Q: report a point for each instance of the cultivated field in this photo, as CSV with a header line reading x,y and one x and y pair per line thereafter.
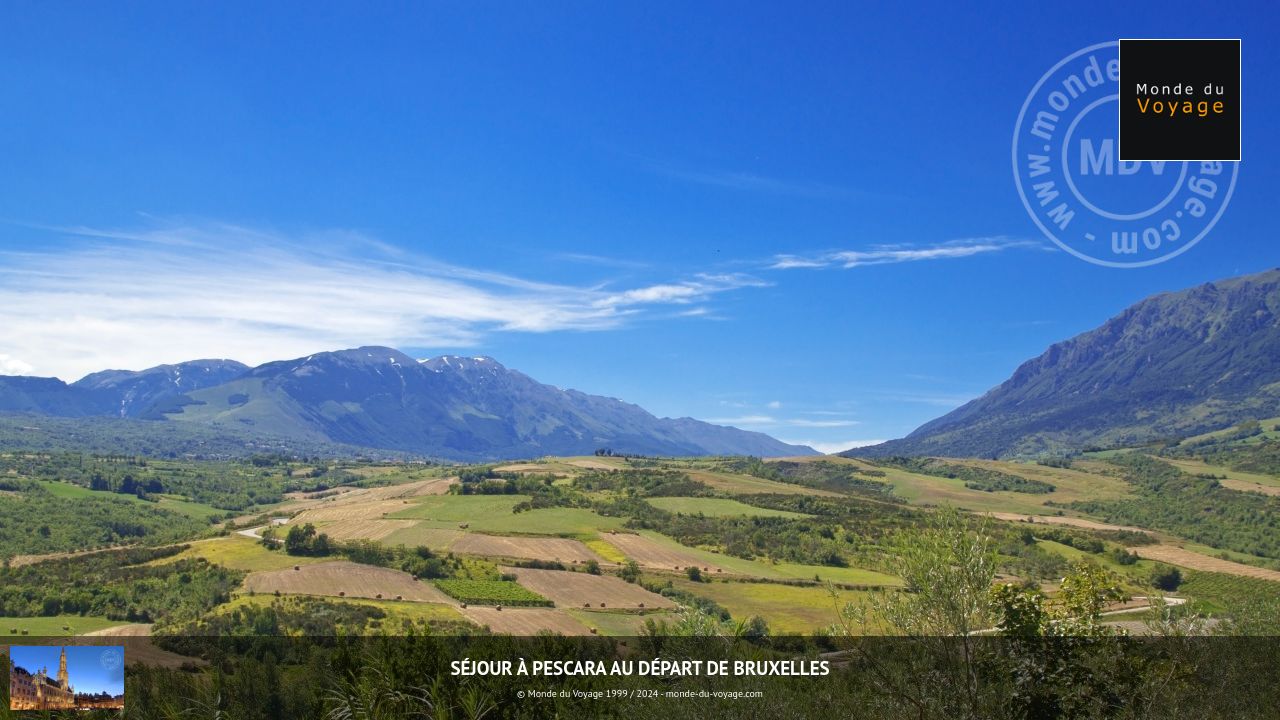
x,y
1188,559
662,549
658,556
531,548
375,529
421,534
494,514
238,552
341,578
348,507
363,503
525,621
788,609
576,589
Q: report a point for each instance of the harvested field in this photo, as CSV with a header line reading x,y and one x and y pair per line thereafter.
x,y
365,503
652,554
379,529
434,486
577,590
344,579
319,494
1060,520
532,548
597,464
420,534
525,621
348,510
1194,560
521,467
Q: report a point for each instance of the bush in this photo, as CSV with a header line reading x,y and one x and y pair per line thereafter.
x,y
1166,577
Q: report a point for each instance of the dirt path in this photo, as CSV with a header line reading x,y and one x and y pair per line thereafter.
x,y
1186,558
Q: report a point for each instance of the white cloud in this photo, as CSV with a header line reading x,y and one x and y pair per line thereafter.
x,y
13,366
774,405
827,448
892,254
744,420
136,299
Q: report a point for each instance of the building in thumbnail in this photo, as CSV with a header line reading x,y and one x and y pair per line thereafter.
x,y
39,691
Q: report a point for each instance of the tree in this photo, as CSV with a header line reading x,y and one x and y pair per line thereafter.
x,y
1166,577
948,567
630,571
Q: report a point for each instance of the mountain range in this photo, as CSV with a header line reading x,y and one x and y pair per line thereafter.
x,y
456,408
1172,365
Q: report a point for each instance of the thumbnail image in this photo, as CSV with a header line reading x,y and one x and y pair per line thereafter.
x,y
86,678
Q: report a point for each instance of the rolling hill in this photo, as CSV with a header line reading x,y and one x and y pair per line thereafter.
x,y
1172,365
450,407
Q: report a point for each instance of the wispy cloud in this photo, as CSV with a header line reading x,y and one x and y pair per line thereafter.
x,y
601,260
892,254
697,289
131,299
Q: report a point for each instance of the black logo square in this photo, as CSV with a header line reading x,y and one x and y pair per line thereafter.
x,y
1179,100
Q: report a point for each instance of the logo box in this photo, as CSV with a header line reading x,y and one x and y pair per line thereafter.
x,y
1180,100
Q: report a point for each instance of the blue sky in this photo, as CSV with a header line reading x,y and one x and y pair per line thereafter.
x,y
87,670
610,197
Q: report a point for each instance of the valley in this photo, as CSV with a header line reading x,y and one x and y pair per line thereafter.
x,y
587,544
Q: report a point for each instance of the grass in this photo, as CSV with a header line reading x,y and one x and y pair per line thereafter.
x,y
492,592
1069,485
1136,573
53,626
71,491
789,610
751,485
1267,432
396,610
237,552
617,624
493,514
780,571
716,507
1243,480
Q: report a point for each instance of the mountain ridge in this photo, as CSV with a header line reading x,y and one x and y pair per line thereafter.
x,y
1173,364
451,407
